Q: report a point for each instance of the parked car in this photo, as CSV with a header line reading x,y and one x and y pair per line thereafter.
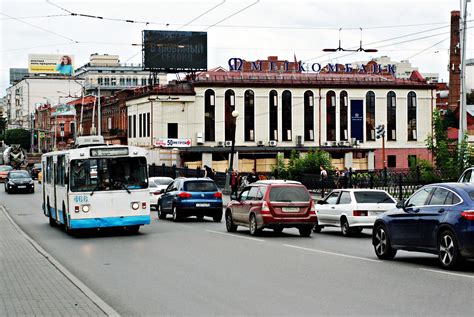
x,y
35,170
4,169
352,209
274,204
19,181
156,186
438,219
467,176
186,197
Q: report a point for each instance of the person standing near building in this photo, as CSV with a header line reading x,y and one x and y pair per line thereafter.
x,y
253,177
208,172
234,183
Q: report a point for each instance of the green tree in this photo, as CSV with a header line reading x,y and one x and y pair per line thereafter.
x,y
306,164
450,157
18,136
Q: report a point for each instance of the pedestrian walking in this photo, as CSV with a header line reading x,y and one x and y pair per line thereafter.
x,y
234,183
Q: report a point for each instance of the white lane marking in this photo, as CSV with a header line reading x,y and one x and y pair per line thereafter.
x,y
449,273
332,253
235,236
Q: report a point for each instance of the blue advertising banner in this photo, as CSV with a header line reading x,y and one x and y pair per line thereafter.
x,y
357,120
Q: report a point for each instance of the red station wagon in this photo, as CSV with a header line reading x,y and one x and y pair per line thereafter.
x,y
274,204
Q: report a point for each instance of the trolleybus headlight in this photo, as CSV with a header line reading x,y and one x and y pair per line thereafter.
x,y
135,205
85,208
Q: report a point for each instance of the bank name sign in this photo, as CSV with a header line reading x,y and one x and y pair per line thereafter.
x,y
237,64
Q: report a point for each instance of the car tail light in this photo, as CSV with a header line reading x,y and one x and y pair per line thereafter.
x,y
218,195
313,208
184,195
143,205
265,208
156,193
359,213
468,214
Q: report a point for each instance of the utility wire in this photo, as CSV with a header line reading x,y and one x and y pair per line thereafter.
x,y
37,17
233,14
201,15
424,50
40,28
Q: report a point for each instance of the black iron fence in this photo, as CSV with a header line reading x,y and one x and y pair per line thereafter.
x,y
400,183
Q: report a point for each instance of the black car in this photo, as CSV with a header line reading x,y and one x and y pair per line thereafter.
x,y
438,219
19,181
35,170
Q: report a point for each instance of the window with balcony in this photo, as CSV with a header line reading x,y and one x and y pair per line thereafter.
x,y
286,105
210,115
229,106
411,115
370,115
343,106
331,116
308,116
273,115
391,130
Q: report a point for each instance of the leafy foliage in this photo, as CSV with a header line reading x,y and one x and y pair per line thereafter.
x,y
305,164
18,136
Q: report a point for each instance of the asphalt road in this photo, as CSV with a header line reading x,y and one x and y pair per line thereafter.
x,y
197,268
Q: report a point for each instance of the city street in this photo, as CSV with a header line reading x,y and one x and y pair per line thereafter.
x,y
197,268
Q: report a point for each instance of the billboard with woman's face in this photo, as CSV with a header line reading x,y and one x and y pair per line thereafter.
x,y
51,64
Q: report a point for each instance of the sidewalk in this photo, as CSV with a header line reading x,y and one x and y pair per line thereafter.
x,y
32,283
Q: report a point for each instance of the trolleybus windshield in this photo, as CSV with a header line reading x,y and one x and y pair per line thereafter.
x,y
102,174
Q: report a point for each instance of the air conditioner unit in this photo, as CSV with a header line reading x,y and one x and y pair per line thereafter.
x,y
272,143
199,138
327,143
220,143
334,143
347,143
442,112
353,141
341,143
299,140
228,143
356,142
260,143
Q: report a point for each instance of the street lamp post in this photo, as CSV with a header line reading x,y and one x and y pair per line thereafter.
x,y
235,115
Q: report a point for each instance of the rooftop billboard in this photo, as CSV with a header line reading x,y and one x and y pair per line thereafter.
x,y
51,64
174,51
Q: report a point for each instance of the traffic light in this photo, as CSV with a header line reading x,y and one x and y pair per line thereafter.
x,y
380,131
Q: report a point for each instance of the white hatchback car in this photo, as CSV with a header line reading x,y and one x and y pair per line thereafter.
x,y
156,185
352,209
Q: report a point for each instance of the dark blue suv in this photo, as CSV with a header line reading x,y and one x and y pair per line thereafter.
x,y
191,197
438,219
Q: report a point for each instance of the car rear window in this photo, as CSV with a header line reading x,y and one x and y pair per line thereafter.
x,y
200,186
289,193
373,197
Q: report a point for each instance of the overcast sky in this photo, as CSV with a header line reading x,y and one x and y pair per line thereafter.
x,y
417,30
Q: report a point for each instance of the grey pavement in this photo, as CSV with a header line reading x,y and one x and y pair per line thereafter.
x,y
32,283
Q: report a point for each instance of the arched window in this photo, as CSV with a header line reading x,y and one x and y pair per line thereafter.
x,y
370,115
135,81
308,116
144,81
273,115
391,130
286,115
229,106
122,81
209,115
106,81
411,105
331,116
343,106
129,81
249,112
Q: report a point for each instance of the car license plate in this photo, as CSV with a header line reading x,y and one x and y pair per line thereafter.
x,y
21,186
203,205
290,209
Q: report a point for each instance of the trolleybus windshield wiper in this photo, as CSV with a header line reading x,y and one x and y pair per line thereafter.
x,y
125,187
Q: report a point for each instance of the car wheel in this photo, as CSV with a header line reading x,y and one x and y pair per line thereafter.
x,y
305,231
161,214
317,228
345,229
175,214
52,222
382,246
229,222
448,253
253,225
217,218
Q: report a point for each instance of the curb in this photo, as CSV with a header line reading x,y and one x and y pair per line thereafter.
x,y
109,311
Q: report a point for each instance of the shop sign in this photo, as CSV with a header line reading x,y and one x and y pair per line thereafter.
x,y
167,143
